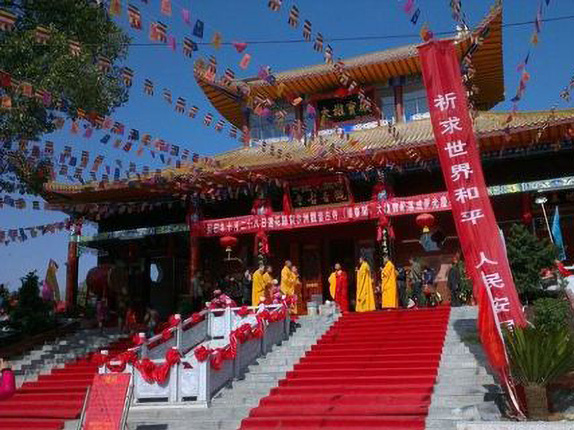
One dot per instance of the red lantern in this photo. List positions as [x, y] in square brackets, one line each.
[228, 241]
[425, 221]
[341, 92]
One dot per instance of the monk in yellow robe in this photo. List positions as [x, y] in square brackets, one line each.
[389, 283]
[333, 284]
[365, 293]
[258, 289]
[269, 283]
[287, 279]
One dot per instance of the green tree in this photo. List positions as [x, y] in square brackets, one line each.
[31, 315]
[74, 80]
[528, 255]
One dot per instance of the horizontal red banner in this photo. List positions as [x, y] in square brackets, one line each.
[314, 217]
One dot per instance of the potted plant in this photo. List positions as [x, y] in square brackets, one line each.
[537, 358]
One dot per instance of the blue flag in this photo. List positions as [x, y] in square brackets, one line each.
[557, 234]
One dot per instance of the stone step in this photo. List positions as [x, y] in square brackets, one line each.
[438, 424]
[270, 369]
[458, 372]
[271, 376]
[457, 401]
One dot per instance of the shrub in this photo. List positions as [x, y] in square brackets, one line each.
[528, 255]
[538, 358]
[31, 315]
[551, 314]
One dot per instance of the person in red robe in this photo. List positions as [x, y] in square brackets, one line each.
[7, 381]
[341, 288]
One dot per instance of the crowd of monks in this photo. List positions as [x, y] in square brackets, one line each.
[269, 290]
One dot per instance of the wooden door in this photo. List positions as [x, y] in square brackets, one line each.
[311, 276]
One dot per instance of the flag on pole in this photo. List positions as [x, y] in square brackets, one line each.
[557, 235]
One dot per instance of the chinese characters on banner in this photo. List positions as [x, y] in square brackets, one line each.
[476, 226]
[314, 217]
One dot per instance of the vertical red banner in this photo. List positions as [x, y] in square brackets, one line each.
[479, 236]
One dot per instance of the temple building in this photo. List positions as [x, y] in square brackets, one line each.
[328, 171]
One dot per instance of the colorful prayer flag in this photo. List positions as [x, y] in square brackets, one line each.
[127, 76]
[198, 29]
[217, 40]
[188, 47]
[134, 17]
[293, 20]
[244, 63]
[318, 46]
[274, 5]
[180, 105]
[167, 95]
[186, 16]
[239, 46]
[104, 64]
[7, 20]
[166, 7]
[193, 111]
[115, 8]
[148, 87]
[307, 29]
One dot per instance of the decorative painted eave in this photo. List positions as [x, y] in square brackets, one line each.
[372, 147]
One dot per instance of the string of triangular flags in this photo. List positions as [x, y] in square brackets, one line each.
[21, 203]
[104, 210]
[522, 66]
[339, 66]
[165, 152]
[22, 234]
[158, 30]
[67, 157]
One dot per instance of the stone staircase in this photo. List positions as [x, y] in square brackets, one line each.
[55, 354]
[233, 403]
[465, 390]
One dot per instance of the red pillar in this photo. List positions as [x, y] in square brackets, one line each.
[72, 267]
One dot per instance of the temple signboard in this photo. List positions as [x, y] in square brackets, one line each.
[319, 191]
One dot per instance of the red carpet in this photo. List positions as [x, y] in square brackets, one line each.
[54, 398]
[369, 371]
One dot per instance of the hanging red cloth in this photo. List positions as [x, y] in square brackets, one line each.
[287, 209]
[342, 290]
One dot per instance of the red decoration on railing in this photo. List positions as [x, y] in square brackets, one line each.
[138, 339]
[216, 359]
[202, 353]
[244, 311]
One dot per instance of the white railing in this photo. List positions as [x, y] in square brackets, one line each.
[195, 382]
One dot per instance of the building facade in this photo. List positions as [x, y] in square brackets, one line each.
[327, 172]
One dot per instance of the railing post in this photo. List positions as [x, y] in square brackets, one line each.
[228, 323]
[173, 384]
[204, 395]
[179, 334]
[210, 319]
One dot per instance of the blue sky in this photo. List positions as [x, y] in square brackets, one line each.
[551, 66]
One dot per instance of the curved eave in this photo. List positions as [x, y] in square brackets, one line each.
[364, 149]
[368, 69]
